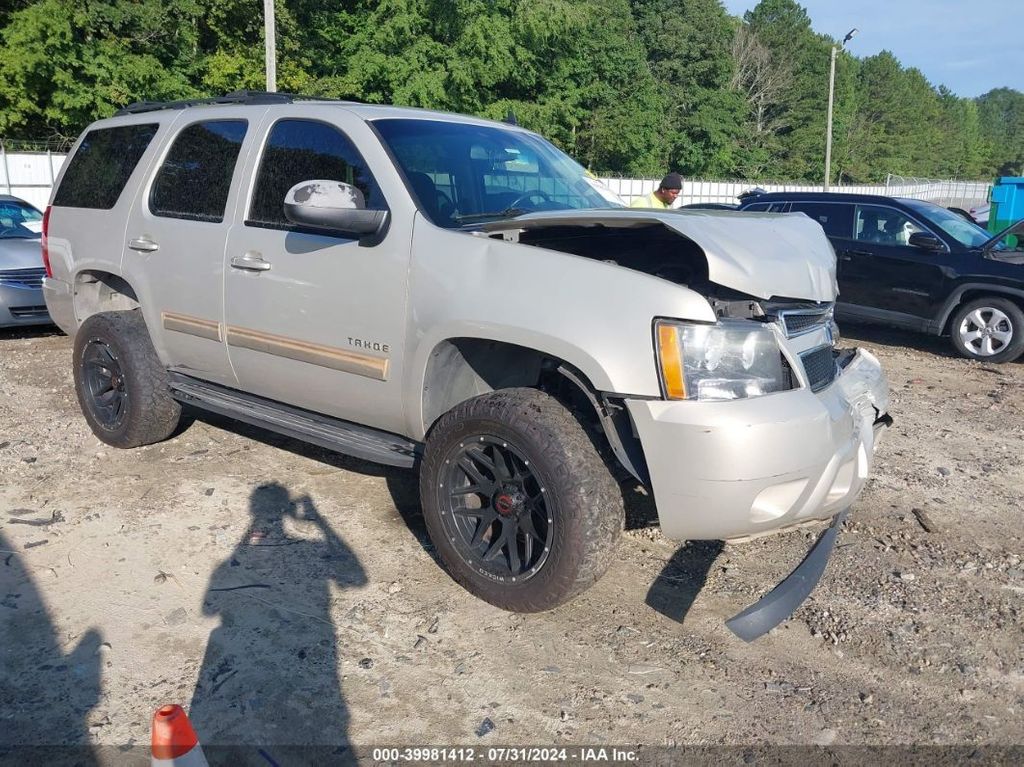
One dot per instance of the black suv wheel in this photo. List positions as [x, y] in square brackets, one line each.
[989, 330]
[523, 511]
[121, 385]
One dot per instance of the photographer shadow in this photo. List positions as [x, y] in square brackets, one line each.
[269, 686]
[46, 694]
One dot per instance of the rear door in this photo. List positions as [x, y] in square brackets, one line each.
[836, 218]
[176, 235]
[319, 321]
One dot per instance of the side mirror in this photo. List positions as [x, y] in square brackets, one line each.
[332, 207]
[925, 241]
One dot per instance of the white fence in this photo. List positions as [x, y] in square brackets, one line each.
[30, 175]
[962, 194]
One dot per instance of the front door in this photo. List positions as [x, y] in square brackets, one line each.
[175, 240]
[313, 320]
[879, 270]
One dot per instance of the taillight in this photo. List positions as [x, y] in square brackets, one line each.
[44, 242]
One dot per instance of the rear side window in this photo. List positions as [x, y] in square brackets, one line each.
[105, 159]
[302, 150]
[194, 181]
[836, 218]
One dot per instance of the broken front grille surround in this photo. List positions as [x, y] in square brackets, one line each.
[797, 322]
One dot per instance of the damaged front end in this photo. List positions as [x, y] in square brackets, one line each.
[763, 423]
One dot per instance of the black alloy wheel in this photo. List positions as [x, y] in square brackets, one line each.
[519, 504]
[106, 395]
[122, 386]
[495, 511]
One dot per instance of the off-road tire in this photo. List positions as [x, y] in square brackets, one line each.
[148, 413]
[581, 497]
[1014, 317]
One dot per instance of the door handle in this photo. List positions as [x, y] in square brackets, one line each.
[251, 261]
[143, 245]
[847, 255]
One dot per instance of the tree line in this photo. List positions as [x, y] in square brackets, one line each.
[625, 86]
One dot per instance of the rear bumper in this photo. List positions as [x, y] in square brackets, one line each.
[726, 470]
[22, 306]
[60, 302]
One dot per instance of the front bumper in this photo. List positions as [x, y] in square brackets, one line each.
[22, 306]
[726, 470]
[777, 605]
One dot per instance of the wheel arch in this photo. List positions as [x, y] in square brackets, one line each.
[971, 292]
[463, 367]
[98, 290]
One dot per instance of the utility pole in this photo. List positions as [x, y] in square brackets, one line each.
[831, 94]
[271, 45]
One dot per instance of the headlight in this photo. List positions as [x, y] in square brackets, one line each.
[731, 359]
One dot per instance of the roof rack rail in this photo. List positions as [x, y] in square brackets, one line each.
[235, 97]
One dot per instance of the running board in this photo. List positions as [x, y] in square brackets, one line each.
[325, 431]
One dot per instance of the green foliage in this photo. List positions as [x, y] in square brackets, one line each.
[687, 46]
[630, 86]
[1001, 117]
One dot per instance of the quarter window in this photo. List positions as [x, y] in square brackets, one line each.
[835, 218]
[302, 150]
[105, 159]
[194, 181]
[884, 226]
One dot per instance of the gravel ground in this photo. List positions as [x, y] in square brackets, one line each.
[284, 594]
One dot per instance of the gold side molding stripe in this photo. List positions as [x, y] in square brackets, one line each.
[194, 326]
[315, 354]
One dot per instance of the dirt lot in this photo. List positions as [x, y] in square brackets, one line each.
[286, 595]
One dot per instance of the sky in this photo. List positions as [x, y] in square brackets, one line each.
[970, 46]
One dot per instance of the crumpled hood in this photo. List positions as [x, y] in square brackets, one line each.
[766, 255]
[19, 253]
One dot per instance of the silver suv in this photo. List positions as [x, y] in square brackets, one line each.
[437, 291]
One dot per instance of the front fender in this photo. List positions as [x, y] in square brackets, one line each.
[593, 315]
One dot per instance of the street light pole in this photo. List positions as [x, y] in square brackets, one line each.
[831, 94]
[271, 45]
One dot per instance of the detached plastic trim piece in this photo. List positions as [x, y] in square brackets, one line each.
[778, 604]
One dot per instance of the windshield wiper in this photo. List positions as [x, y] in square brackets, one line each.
[507, 213]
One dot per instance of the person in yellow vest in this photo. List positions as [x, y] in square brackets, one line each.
[663, 196]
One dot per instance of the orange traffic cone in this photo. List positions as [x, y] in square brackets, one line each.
[174, 741]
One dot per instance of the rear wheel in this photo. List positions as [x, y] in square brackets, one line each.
[523, 511]
[988, 330]
[121, 385]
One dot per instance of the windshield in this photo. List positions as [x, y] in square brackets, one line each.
[1010, 239]
[19, 221]
[463, 173]
[956, 226]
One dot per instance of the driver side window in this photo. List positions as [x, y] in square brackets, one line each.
[300, 150]
[884, 226]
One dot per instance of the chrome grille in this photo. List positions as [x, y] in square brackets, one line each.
[796, 322]
[820, 366]
[31, 279]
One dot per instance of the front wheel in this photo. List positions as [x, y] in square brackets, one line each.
[988, 330]
[523, 511]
